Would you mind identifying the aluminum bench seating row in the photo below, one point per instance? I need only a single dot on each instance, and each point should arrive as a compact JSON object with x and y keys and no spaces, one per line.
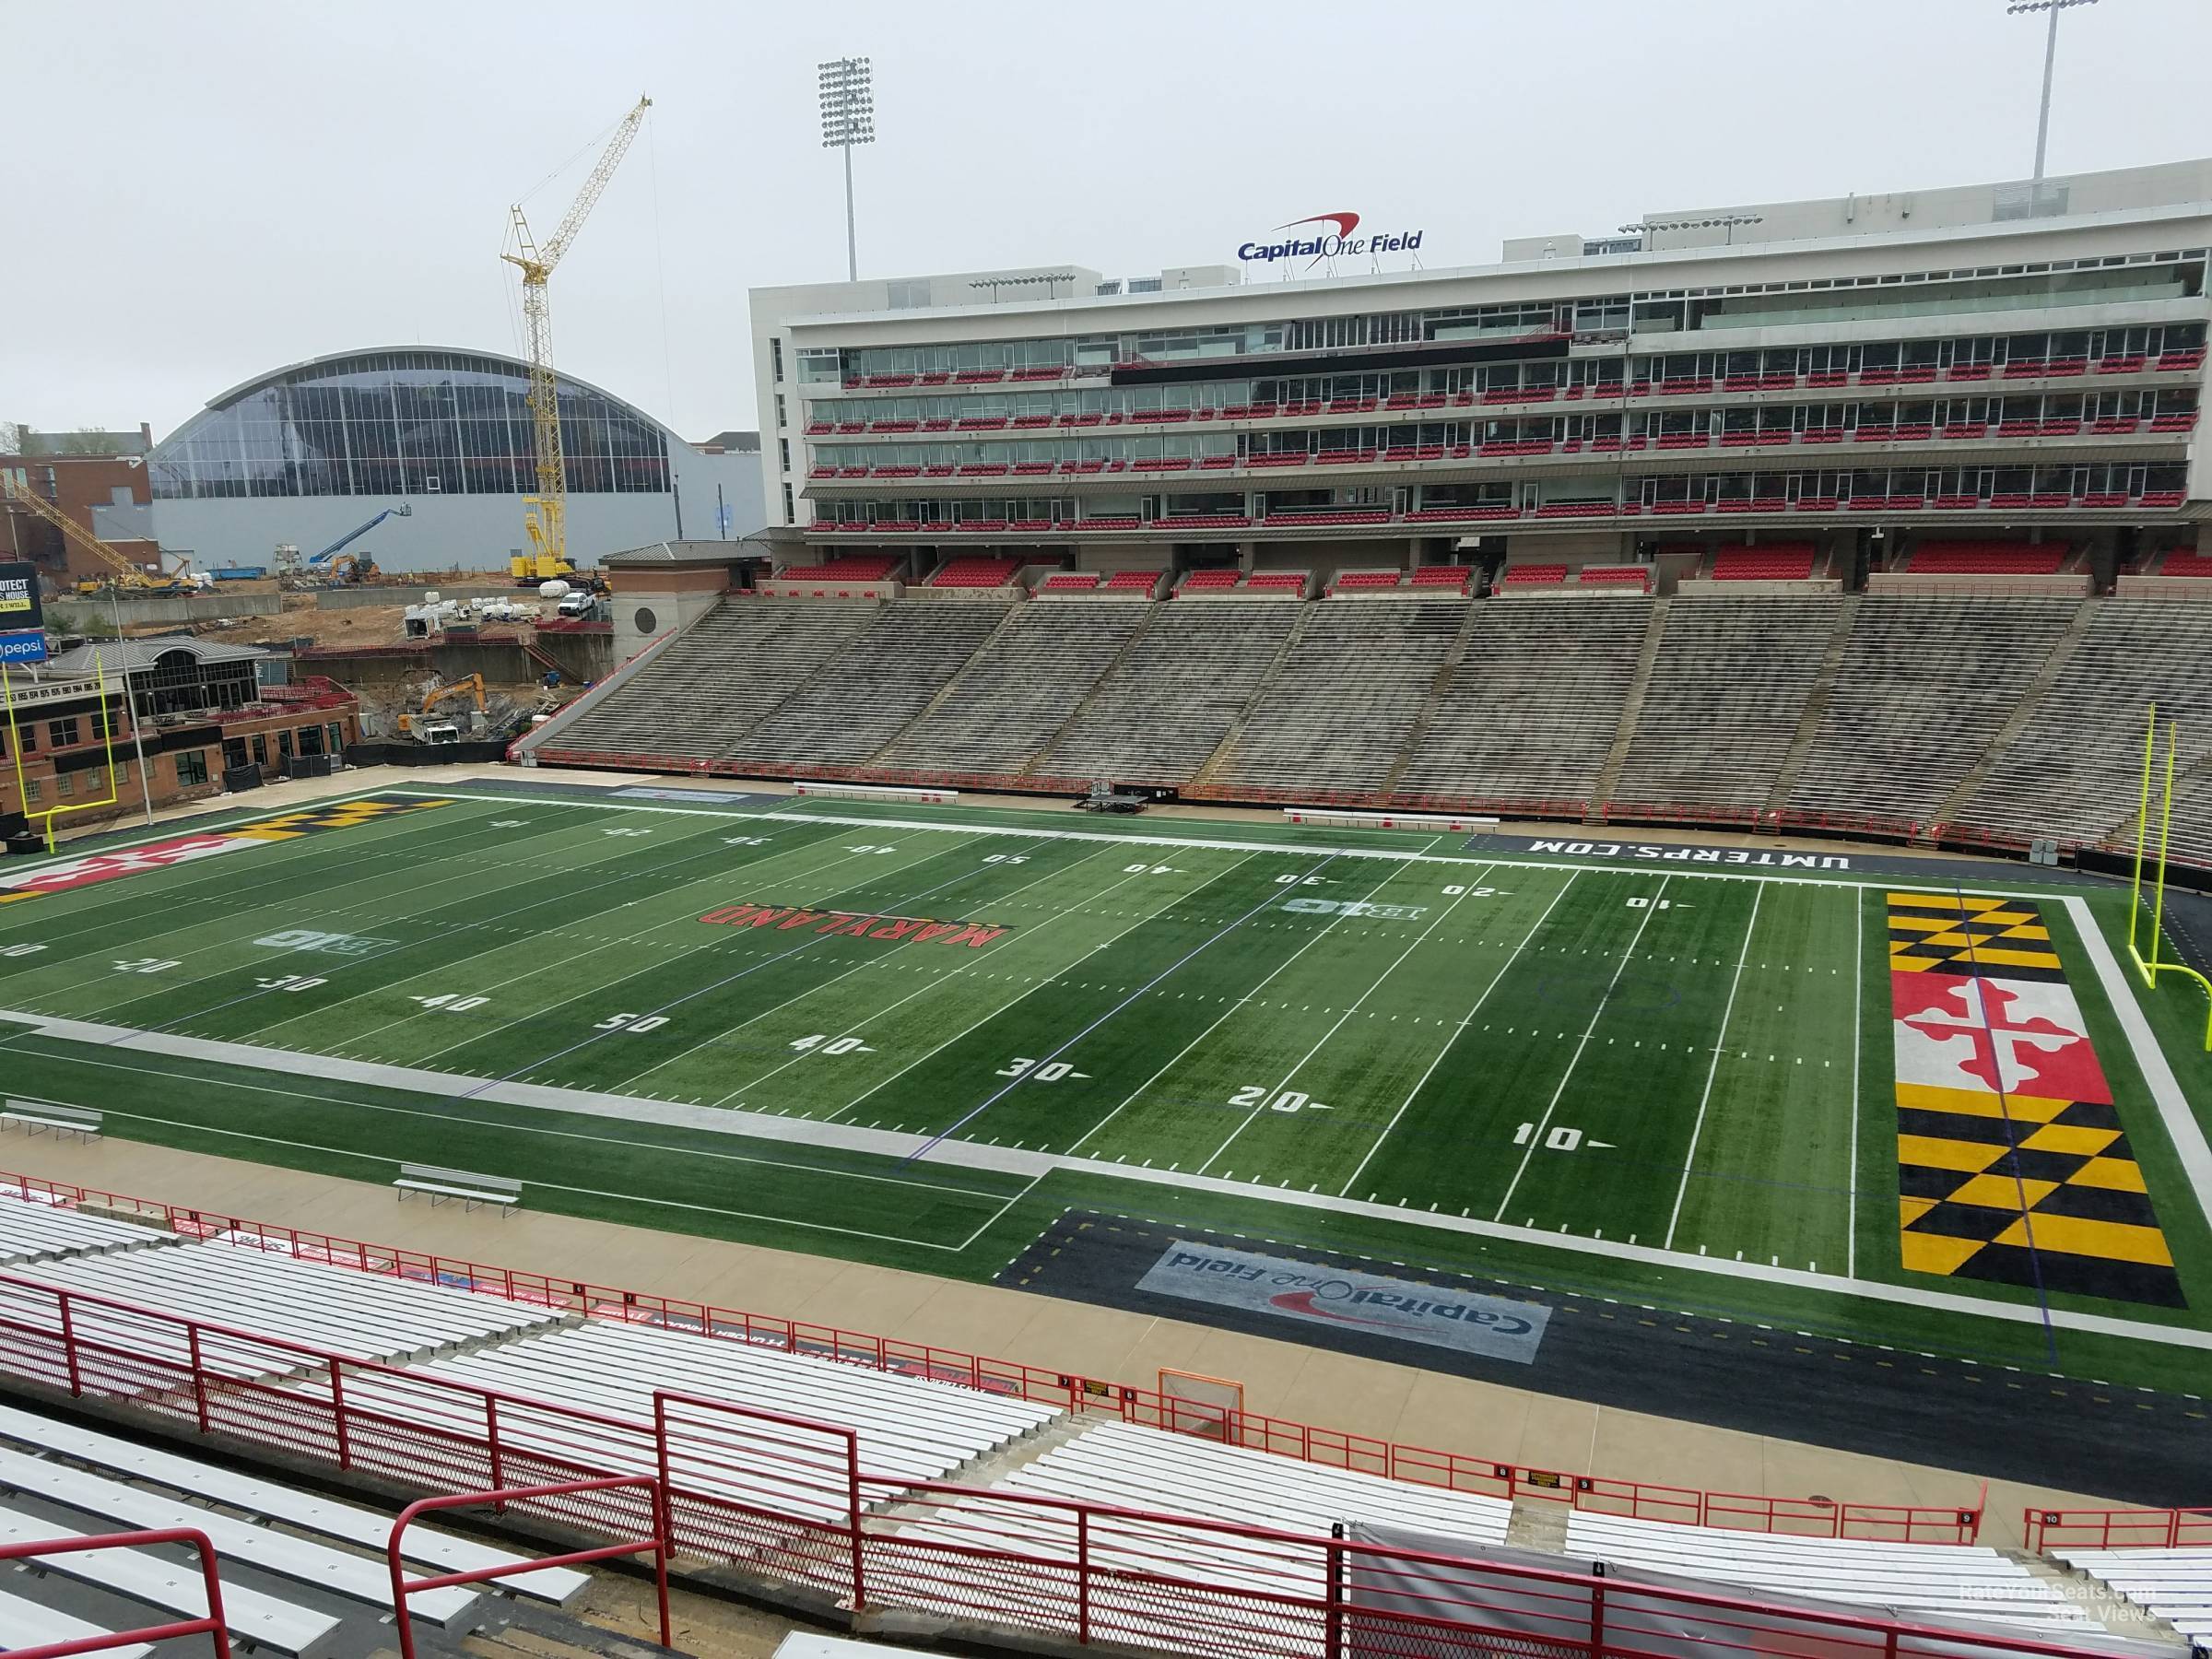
{"x":907,"y":1425}
{"x":159,"y":1581}
{"x":908,"y":1446}
{"x":2171,"y":1584}
{"x":356,"y":1578}
{"x":1195,"y":1477}
{"x":33,"y":1226}
{"x":358,"y":1313}
{"x":29,"y":1625}
{"x":300,"y":1510}
{"x":1964,"y":1581}
{"x":805,"y":1477}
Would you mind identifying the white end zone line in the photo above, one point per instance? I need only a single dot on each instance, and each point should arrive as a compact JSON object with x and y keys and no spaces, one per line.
{"x":1720,"y":1046}
{"x":897,"y":1145}
{"x":2181,"y":1127}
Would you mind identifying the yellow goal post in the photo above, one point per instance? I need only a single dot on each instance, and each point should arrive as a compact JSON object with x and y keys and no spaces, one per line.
{"x":2155,"y":964}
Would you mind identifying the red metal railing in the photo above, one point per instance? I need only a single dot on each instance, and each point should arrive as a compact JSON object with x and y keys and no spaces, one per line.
{"x":213,"y":1626}
{"x":2117,"y":1529}
{"x":654,"y":1544}
{"x":1132,"y":1402}
{"x":787,"y":1501}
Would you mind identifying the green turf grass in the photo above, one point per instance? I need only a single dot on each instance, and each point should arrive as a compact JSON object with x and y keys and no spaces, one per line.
{"x":1647,"y":1054}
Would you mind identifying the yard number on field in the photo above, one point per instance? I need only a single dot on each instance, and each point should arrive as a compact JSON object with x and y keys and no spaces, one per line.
{"x":146,"y":965}
{"x":1289,"y":1099}
{"x":292,"y":982}
{"x":21,"y":950}
{"x":870,"y":847}
{"x":823,"y":1043}
{"x":452,"y":1002}
{"x":1051,"y":1071}
{"x":1559,"y":1138}
{"x":1142,"y":869}
{"x":631,"y":1022}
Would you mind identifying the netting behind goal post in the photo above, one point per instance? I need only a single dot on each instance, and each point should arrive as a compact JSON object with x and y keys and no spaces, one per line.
{"x":1209,"y":1407}
{"x":2155,"y":964}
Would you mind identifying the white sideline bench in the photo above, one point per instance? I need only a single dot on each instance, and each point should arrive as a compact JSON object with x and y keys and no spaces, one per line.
{"x":29,"y":1625}
{"x":262,"y":1620}
{"x":32,"y":1116}
{"x":466,"y":1185}
{"x":304,"y":1511}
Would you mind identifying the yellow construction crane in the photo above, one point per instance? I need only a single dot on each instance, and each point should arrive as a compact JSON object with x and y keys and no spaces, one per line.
{"x":548,"y":507}
{"x":127,"y":576}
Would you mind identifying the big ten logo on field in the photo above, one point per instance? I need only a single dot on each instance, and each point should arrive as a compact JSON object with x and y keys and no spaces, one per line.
{"x":1356,"y":907}
{"x":330,"y":943}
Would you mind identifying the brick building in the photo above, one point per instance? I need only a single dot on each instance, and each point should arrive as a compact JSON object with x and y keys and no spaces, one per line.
{"x":201,"y":712}
{"x":99,"y":481}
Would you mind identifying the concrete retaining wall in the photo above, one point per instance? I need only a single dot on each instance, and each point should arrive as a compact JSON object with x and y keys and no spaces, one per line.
{"x":169,"y":607}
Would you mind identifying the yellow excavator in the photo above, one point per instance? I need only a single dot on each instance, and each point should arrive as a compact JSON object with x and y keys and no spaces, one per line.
{"x":128,"y":576}
{"x":442,"y":731}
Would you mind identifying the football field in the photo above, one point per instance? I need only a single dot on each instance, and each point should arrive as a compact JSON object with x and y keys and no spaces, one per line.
{"x":1933,"y":1114}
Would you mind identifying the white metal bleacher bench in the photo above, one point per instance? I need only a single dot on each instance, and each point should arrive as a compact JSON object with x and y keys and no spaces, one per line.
{"x":466,"y":1185}
{"x":32,"y":1116}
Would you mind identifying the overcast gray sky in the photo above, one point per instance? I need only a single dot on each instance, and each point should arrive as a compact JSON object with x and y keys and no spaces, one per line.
{"x":205,"y":192}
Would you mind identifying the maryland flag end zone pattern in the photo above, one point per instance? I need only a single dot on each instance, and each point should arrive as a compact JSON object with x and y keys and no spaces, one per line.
{"x":2011,"y":1163}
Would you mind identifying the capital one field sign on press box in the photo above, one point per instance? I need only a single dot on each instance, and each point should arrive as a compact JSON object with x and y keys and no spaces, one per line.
{"x":22,"y":626}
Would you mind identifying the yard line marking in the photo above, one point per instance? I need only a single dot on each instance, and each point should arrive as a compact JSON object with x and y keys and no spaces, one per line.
{"x":952,"y":1189}
{"x":1423,"y":1082}
{"x":1858,"y":1040}
{"x":999,"y":1094}
{"x":1015,"y":1001}
{"x":249,"y":913}
{"x":993,"y":1220}
{"x":973,"y":1155}
{"x":677,"y":1002}
{"x":1729,"y":873}
{"x":1214,"y":1023}
{"x":1536,"y":1137}
{"x":2182,"y":1126}
{"x":1322,"y":1040}
{"x":1697,"y":1127}
{"x":592,"y":947}
{"x":398,"y":945}
{"x":867,"y":962}
{"x":193,"y":876}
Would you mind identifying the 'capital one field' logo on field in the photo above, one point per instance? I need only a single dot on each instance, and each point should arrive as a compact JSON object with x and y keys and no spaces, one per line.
{"x":1490,"y":1325}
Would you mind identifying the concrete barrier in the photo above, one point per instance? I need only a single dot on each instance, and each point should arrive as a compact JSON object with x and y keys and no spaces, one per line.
{"x":353,"y":598}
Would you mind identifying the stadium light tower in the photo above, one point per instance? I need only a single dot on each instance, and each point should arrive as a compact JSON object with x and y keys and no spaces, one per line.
{"x":2042,"y":117}
{"x":1728,"y":221}
{"x":847,"y":89}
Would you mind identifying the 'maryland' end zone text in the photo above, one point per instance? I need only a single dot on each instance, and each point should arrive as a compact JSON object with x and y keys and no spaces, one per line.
{"x":918,"y":930}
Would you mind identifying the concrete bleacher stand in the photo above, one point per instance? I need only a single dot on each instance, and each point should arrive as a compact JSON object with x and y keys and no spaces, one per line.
{"x":1739,"y":686}
{"x":871,"y":1482}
